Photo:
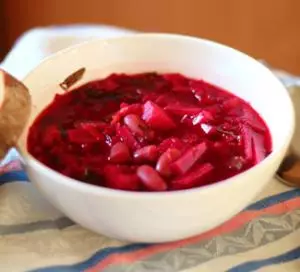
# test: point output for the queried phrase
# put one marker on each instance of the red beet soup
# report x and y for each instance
(149, 132)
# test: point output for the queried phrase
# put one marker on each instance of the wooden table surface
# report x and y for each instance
(267, 29)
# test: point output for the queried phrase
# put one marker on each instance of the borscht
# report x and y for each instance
(149, 132)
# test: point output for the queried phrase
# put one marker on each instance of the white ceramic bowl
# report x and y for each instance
(165, 216)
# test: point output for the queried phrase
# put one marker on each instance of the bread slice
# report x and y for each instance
(15, 108)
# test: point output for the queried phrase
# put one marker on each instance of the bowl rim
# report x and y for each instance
(95, 189)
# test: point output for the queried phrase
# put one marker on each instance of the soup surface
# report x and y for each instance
(149, 132)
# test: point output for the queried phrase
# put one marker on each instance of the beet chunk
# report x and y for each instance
(156, 117)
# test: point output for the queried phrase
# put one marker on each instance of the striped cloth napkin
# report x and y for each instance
(34, 236)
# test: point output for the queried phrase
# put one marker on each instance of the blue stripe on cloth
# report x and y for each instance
(13, 176)
(94, 260)
(275, 199)
(254, 265)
